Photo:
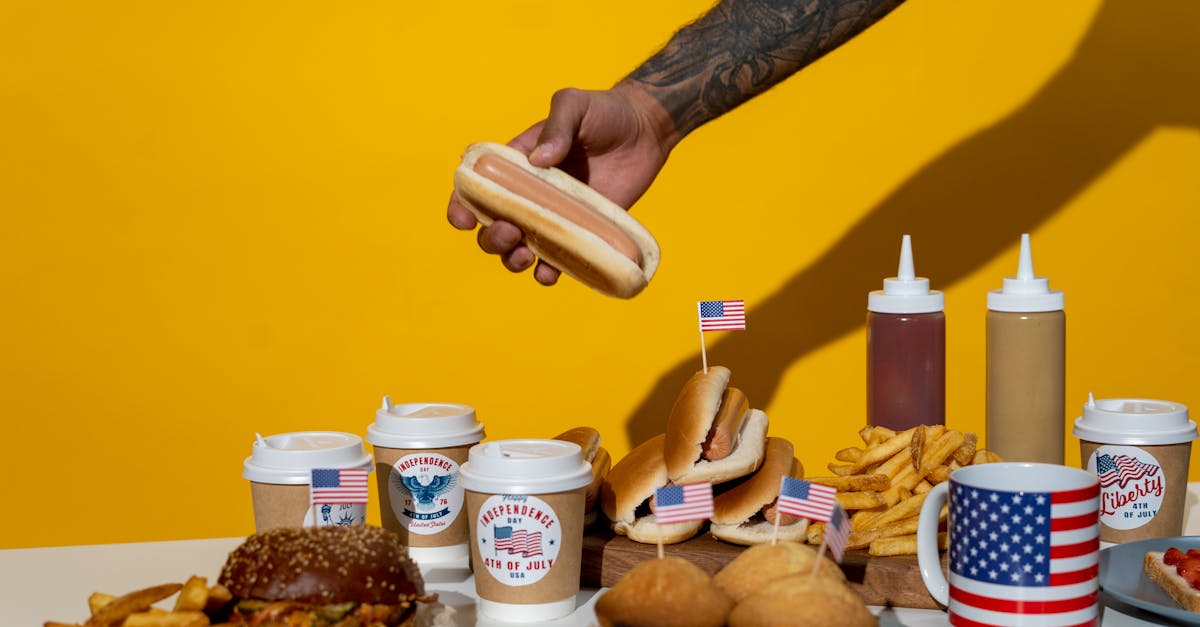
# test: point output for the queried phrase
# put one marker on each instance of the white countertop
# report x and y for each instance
(53, 583)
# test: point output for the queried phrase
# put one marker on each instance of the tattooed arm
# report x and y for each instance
(741, 48)
(617, 140)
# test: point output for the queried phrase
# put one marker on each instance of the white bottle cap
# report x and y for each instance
(906, 293)
(1025, 292)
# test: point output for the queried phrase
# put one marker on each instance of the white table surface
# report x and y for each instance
(53, 583)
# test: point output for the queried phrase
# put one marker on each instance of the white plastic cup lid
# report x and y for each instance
(424, 425)
(1134, 421)
(525, 467)
(288, 458)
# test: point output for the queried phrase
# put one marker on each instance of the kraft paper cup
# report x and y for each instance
(1024, 545)
(280, 472)
(525, 510)
(419, 448)
(1140, 450)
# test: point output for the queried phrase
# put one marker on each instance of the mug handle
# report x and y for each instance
(927, 544)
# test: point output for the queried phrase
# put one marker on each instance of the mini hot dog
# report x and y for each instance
(629, 487)
(566, 223)
(722, 436)
(745, 513)
(712, 435)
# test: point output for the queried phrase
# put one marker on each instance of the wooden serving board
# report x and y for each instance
(893, 581)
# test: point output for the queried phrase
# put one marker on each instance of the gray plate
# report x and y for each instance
(1122, 578)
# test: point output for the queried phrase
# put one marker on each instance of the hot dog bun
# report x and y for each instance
(588, 439)
(561, 241)
(1170, 581)
(688, 427)
(628, 487)
(738, 511)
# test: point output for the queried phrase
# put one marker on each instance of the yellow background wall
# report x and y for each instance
(228, 217)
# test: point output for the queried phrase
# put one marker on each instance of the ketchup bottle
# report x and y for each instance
(906, 350)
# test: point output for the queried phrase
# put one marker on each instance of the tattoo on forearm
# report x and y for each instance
(742, 47)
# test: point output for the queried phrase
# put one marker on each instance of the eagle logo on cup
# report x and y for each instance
(425, 488)
(425, 492)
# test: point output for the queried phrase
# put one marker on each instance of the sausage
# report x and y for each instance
(523, 183)
(722, 436)
(784, 519)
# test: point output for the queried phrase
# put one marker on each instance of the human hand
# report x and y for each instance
(615, 140)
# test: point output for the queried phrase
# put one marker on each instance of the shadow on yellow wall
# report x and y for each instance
(1137, 68)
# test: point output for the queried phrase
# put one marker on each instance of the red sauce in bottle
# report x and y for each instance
(906, 350)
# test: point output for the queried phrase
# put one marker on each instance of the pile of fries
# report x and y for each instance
(882, 484)
(192, 607)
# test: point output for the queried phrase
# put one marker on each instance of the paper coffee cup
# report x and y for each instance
(1139, 449)
(280, 470)
(419, 448)
(525, 507)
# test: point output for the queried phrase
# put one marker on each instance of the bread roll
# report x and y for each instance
(761, 564)
(801, 600)
(668, 592)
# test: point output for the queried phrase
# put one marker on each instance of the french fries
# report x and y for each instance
(853, 483)
(136, 609)
(883, 484)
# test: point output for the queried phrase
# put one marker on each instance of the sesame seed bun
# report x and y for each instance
(323, 566)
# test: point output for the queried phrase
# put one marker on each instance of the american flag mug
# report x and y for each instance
(1024, 546)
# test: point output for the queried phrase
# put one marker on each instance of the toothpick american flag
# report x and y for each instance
(813, 501)
(681, 503)
(837, 532)
(338, 486)
(722, 315)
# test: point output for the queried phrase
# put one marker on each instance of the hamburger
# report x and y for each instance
(357, 576)
(712, 434)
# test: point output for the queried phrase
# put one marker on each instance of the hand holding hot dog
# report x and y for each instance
(614, 140)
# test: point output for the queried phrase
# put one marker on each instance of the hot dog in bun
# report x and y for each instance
(626, 492)
(712, 434)
(745, 513)
(566, 223)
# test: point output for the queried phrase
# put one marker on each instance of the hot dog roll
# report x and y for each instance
(626, 492)
(703, 443)
(745, 513)
(566, 223)
(588, 440)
